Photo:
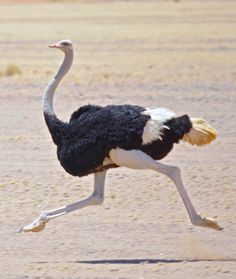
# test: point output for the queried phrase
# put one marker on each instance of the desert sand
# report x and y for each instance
(179, 55)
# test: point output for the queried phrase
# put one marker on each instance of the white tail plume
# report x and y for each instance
(201, 133)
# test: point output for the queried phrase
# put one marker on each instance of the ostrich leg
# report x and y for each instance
(95, 198)
(137, 159)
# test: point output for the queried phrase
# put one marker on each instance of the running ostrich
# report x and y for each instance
(99, 138)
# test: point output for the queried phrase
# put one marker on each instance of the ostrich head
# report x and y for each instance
(63, 45)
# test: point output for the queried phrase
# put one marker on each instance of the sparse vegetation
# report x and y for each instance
(12, 70)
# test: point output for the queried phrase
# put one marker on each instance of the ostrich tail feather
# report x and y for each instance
(201, 133)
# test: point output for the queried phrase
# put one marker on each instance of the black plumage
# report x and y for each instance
(175, 129)
(84, 142)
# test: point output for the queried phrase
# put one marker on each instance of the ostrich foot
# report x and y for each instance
(208, 223)
(36, 226)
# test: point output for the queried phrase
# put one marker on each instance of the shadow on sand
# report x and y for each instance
(142, 261)
(150, 261)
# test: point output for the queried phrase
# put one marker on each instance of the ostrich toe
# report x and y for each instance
(36, 226)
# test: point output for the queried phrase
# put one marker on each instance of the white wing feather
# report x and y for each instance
(155, 125)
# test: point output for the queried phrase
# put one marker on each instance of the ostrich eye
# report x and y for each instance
(65, 44)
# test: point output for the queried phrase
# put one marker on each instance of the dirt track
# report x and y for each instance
(178, 55)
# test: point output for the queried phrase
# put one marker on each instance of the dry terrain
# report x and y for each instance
(180, 55)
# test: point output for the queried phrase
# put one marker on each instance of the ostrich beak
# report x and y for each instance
(54, 46)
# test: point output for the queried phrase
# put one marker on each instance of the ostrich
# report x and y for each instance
(99, 138)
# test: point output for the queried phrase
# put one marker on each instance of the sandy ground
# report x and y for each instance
(178, 55)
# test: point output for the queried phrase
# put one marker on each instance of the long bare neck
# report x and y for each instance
(52, 85)
(55, 126)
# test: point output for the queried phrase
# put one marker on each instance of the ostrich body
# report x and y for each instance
(99, 138)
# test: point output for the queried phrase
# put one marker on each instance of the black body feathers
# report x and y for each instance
(177, 127)
(56, 127)
(84, 142)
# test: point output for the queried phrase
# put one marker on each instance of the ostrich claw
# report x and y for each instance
(36, 226)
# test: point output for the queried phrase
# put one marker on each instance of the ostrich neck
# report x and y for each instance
(52, 85)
